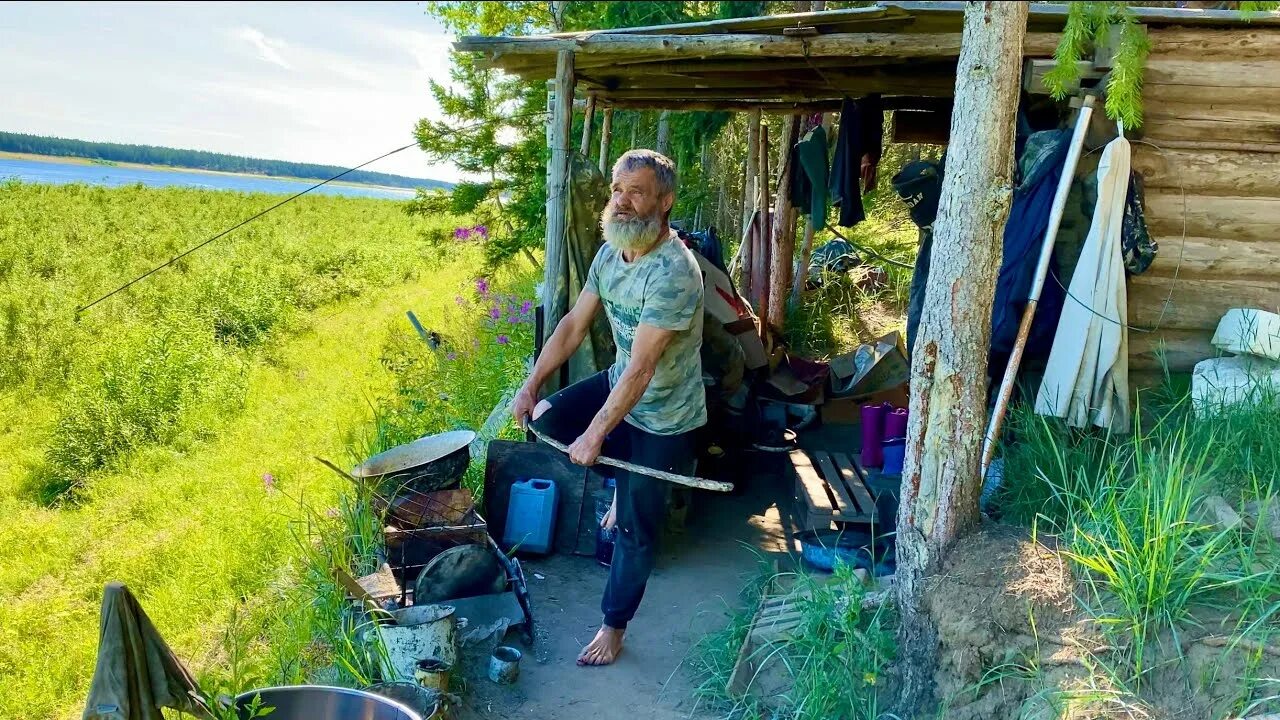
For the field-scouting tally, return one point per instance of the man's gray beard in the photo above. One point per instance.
(630, 235)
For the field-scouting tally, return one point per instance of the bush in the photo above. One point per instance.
(147, 387)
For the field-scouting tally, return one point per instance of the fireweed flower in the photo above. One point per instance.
(495, 313)
(482, 286)
(503, 339)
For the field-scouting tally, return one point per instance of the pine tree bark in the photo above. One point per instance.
(663, 144)
(940, 481)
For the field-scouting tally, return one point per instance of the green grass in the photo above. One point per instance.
(1128, 514)
(243, 360)
(834, 660)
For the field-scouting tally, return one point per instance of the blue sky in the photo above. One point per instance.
(333, 83)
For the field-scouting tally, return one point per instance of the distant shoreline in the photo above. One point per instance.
(70, 160)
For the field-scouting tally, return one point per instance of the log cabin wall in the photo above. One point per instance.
(1212, 104)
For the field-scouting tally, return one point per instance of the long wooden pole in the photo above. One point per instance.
(587, 121)
(782, 250)
(1033, 298)
(555, 290)
(663, 143)
(760, 257)
(750, 197)
(636, 46)
(686, 480)
(606, 139)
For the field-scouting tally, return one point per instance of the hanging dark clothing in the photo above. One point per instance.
(809, 176)
(860, 134)
(1041, 168)
(1136, 243)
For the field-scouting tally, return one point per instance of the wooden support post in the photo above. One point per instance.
(750, 196)
(759, 268)
(555, 295)
(587, 121)
(806, 250)
(606, 139)
(783, 251)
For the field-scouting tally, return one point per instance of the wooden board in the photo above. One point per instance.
(828, 468)
(1228, 217)
(855, 479)
(1205, 44)
(1214, 73)
(1211, 121)
(811, 490)
(1208, 172)
(1180, 349)
(1216, 258)
(509, 461)
(1195, 304)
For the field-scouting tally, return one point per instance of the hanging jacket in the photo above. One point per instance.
(809, 176)
(860, 134)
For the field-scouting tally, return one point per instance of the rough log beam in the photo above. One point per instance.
(606, 139)
(555, 299)
(783, 252)
(896, 45)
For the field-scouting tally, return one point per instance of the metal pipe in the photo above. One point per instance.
(1042, 269)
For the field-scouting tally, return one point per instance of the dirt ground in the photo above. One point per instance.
(692, 592)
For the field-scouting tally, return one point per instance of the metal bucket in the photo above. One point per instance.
(317, 702)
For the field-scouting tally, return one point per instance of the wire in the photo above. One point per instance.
(283, 202)
(869, 251)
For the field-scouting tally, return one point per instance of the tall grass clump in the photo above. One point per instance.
(1131, 512)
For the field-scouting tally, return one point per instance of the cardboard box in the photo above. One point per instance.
(875, 367)
(845, 411)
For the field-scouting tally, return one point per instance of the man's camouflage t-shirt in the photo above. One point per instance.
(662, 288)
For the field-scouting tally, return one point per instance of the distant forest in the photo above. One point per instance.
(199, 160)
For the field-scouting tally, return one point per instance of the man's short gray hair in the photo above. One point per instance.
(663, 169)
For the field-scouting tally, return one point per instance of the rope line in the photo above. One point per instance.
(283, 202)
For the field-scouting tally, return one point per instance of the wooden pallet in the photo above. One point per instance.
(830, 487)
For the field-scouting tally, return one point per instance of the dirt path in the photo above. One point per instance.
(692, 593)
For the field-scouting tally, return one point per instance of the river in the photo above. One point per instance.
(62, 173)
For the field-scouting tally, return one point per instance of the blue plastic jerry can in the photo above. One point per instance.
(531, 516)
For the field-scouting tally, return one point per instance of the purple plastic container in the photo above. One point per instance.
(895, 424)
(872, 435)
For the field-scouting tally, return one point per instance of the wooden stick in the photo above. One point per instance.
(587, 120)
(686, 480)
(606, 139)
(1033, 299)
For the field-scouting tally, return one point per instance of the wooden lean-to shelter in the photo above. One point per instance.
(1209, 150)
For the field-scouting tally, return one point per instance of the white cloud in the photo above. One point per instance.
(268, 48)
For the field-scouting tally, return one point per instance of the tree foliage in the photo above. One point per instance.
(503, 148)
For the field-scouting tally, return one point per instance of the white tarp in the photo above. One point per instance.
(1087, 378)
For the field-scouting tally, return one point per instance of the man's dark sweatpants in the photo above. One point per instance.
(641, 499)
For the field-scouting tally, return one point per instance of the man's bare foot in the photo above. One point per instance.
(604, 649)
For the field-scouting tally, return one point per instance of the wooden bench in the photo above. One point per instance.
(830, 487)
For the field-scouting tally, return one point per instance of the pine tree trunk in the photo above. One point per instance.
(663, 145)
(940, 482)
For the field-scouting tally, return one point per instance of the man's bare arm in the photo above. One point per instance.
(556, 351)
(646, 350)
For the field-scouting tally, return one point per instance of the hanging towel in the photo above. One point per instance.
(859, 138)
(809, 186)
(1087, 377)
(136, 673)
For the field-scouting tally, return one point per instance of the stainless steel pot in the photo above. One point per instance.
(317, 702)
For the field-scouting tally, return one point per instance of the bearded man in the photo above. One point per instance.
(646, 407)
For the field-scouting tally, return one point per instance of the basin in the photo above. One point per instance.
(317, 702)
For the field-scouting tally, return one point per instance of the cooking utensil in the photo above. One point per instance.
(460, 572)
(317, 702)
(434, 462)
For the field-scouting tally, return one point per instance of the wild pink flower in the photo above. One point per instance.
(268, 481)
(461, 233)
(460, 300)
(526, 306)
(482, 286)
(495, 313)
(481, 230)
(451, 356)
(503, 339)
